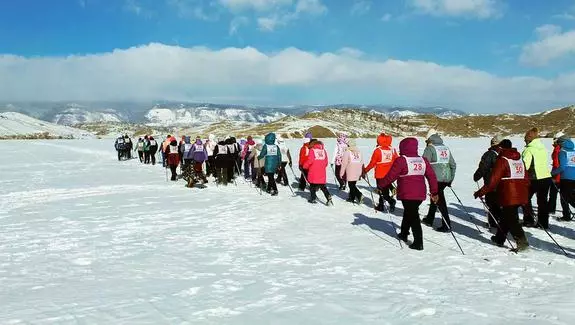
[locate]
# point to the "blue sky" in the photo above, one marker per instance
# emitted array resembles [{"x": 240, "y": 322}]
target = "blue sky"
[{"x": 475, "y": 55}]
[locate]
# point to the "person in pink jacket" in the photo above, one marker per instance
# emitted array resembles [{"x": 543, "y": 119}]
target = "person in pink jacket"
[
  {"x": 410, "y": 170},
  {"x": 352, "y": 168},
  {"x": 316, "y": 165}
]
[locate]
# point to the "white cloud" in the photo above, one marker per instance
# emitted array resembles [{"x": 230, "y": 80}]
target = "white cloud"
[
  {"x": 312, "y": 7},
  {"x": 258, "y": 5},
  {"x": 157, "y": 71},
  {"x": 269, "y": 24},
  {"x": 480, "y": 9},
  {"x": 350, "y": 52},
  {"x": 236, "y": 23},
  {"x": 552, "y": 44},
  {"x": 386, "y": 17},
  {"x": 360, "y": 7},
  {"x": 569, "y": 14}
]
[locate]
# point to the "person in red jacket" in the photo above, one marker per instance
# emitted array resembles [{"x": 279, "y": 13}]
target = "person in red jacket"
[
  {"x": 410, "y": 170},
  {"x": 303, "y": 154},
  {"x": 382, "y": 159},
  {"x": 173, "y": 157},
  {"x": 316, "y": 164},
  {"x": 552, "y": 207},
  {"x": 510, "y": 181}
]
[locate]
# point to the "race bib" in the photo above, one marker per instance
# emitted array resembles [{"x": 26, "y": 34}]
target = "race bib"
[
  {"x": 570, "y": 158},
  {"x": 415, "y": 166},
  {"x": 319, "y": 154},
  {"x": 355, "y": 157},
  {"x": 198, "y": 148},
  {"x": 272, "y": 150},
  {"x": 250, "y": 147},
  {"x": 386, "y": 156},
  {"x": 173, "y": 149},
  {"x": 120, "y": 141},
  {"x": 232, "y": 148},
  {"x": 153, "y": 143},
  {"x": 443, "y": 154},
  {"x": 517, "y": 169},
  {"x": 187, "y": 147},
  {"x": 140, "y": 145},
  {"x": 222, "y": 150}
]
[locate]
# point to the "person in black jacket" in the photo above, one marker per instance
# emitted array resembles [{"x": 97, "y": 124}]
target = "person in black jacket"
[{"x": 484, "y": 172}]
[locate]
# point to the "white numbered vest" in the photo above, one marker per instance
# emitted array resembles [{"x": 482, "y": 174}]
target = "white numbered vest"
[
  {"x": 319, "y": 154},
  {"x": 284, "y": 150},
  {"x": 140, "y": 146},
  {"x": 210, "y": 146},
  {"x": 173, "y": 149},
  {"x": 415, "y": 166},
  {"x": 443, "y": 154},
  {"x": 386, "y": 156},
  {"x": 198, "y": 148},
  {"x": 187, "y": 147},
  {"x": 271, "y": 150},
  {"x": 570, "y": 158},
  {"x": 231, "y": 148},
  {"x": 517, "y": 169},
  {"x": 251, "y": 147},
  {"x": 222, "y": 150},
  {"x": 120, "y": 140},
  {"x": 355, "y": 157},
  {"x": 153, "y": 143}
]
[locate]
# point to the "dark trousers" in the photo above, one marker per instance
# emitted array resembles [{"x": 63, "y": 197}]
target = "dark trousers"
[
  {"x": 494, "y": 209},
  {"x": 384, "y": 193},
  {"x": 354, "y": 192},
  {"x": 211, "y": 166},
  {"x": 552, "y": 206},
  {"x": 258, "y": 177},
  {"x": 539, "y": 187},
  {"x": 222, "y": 175},
  {"x": 173, "y": 169},
  {"x": 441, "y": 205},
  {"x": 340, "y": 180},
  {"x": 282, "y": 175},
  {"x": 302, "y": 180},
  {"x": 313, "y": 189},
  {"x": 411, "y": 221},
  {"x": 248, "y": 166},
  {"x": 567, "y": 196},
  {"x": 510, "y": 223},
  {"x": 272, "y": 186},
  {"x": 141, "y": 156},
  {"x": 151, "y": 156}
]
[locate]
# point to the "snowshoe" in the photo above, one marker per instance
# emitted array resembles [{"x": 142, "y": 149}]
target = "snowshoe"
[
  {"x": 312, "y": 201},
  {"x": 442, "y": 229},
  {"x": 497, "y": 241},
  {"x": 427, "y": 222},
  {"x": 402, "y": 237},
  {"x": 418, "y": 247},
  {"x": 360, "y": 199},
  {"x": 350, "y": 200},
  {"x": 329, "y": 202},
  {"x": 274, "y": 193}
]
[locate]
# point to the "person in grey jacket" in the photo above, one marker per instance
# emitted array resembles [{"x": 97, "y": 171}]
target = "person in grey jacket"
[
  {"x": 484, "y": 172},
  {"x": 443, "y": 164}
]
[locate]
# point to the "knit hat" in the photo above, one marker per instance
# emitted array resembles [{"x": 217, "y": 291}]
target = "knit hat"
[
  {"x": 532, "y": 134},
  {"x": 308, "y": 135},
  {"x": 430, "y": 133},
  {"x": 351, "y": 143},
  {"x": 495, "y": 140},
  {"x": 558, "y": 135},
  {"x": 506, "y": 144}
]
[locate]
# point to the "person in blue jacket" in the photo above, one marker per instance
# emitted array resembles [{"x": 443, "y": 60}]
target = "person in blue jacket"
[
  {"x": 566, "y": 170},
  {"x": 273, "y": 157}
]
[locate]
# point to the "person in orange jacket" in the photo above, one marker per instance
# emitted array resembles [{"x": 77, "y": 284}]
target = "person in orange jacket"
[
  {"x": 382, "y": 159},
  {"x": 303, "y": 154},
  {"x": 552, "y": 207},
  {"x": 165, "y": 144}
]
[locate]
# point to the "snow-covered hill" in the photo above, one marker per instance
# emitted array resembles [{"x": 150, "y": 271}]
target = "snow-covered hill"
[
  {"x": 206, "y": 115},
  {"x": 77, "y": 115},
  {"x": 17, "y": 125}
]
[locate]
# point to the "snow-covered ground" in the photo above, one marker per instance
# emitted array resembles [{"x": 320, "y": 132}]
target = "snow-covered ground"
[
  {"x": 17, "y": 124},
  {"x": 85, "y": 239}
]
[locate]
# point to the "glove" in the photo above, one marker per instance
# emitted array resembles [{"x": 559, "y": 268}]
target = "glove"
[
  {"x": 477, "y": 194},
  {"x": 290, "y": 164},
  {"x": 434, "y": 198},
  {"x": 331, "y": 165}
]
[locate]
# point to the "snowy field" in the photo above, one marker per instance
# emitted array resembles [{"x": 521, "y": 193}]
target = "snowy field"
[{"x": 85, "y": 239}]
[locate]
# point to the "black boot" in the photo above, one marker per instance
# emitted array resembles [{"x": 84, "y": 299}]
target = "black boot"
[{"x": 415, "y": 246}]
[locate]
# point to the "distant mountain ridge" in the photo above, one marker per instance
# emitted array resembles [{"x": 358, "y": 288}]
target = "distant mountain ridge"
[{"x": 170, "y": 113}]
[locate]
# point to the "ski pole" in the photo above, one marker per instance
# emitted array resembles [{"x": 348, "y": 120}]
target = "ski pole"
[
  {"x": 496, "y": 222},
  {"x": 563, "y": 199},
  {"x": 389, "y": 214},
  {"x": 166, "y": 173},
  {"x": 452, "y": 234},
  {"x": 465, "y": 209}
]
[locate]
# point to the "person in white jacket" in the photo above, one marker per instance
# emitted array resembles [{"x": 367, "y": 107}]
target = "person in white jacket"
[
  {"x": 210, "y": 145},
  {"x": 340, "y": 148},
  {"x": 282, "y": 177}
]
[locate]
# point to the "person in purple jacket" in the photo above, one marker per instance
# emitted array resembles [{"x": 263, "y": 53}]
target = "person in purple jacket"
[
  {"x": 410, "y": 170},
  {"x": 197, "y": 155}
]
